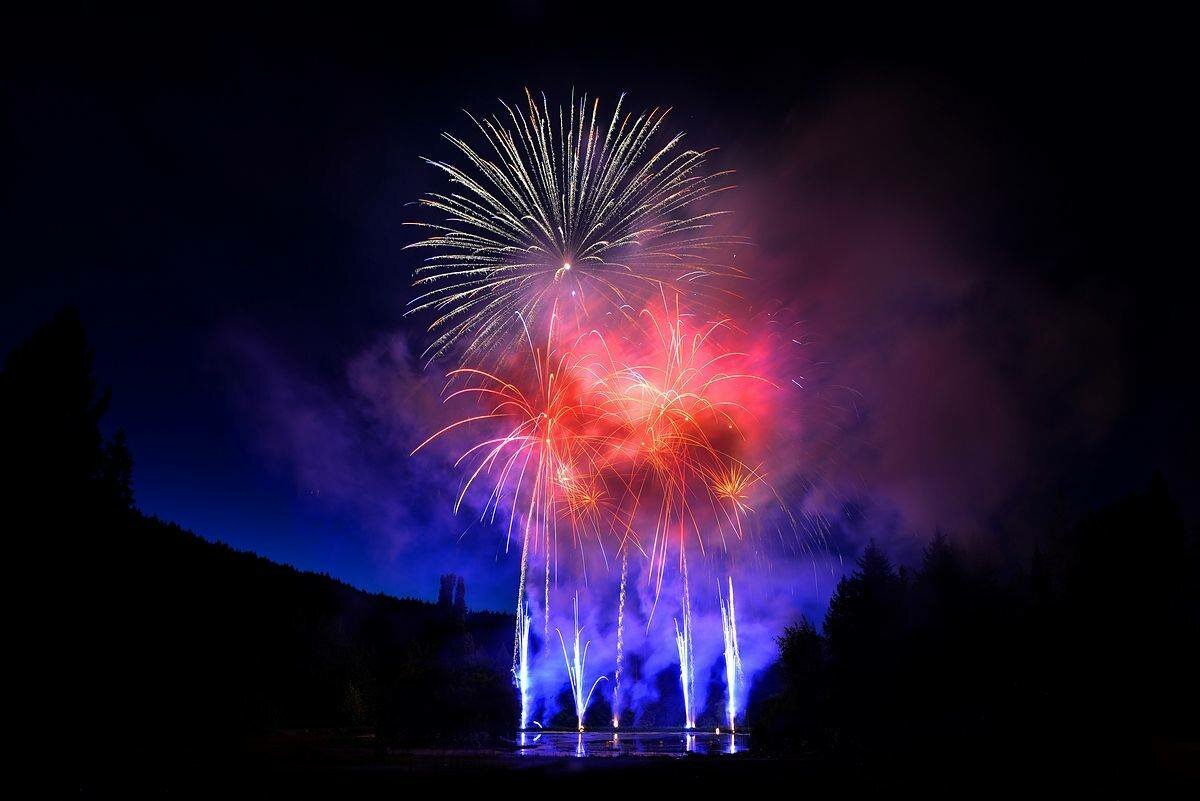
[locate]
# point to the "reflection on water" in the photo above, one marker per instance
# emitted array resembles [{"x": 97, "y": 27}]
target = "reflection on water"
[{"x": 630, "y": 743}]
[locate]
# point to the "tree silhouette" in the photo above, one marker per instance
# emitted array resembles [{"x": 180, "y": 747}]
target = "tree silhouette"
[
  {"x": 445, "y": 598},
  {"x": 1083, "y": 665},
  {"x": 866, "y": 611},
  {"x": 56, "y": 462},
  {"x": 460, "y": 598},
  {"x": 800, "y": 650}
]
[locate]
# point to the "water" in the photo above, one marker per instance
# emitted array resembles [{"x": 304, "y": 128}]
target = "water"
[{"x": 630, "y": 743}]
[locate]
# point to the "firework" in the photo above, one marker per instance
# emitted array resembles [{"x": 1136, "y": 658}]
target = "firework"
[
  {"x": 620, "y": 640},
  {"x": 687, "y": 660},
  {"x": 577, "y": 268},
  {"x": 587, "y": 441},
  {"x": 733, "y": 656},
  {"x": 576, "y": 662},
  {"x": 521, "y": 664},
  {"x": 557, "y": 206},
  {"x": 540, "y": 452},
  {"x": 675, "y": 414}
]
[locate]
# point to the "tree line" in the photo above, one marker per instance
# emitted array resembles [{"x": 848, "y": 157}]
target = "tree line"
[{"x": 1087, "y": 660}]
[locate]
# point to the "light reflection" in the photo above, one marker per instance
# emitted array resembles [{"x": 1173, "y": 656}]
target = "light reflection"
[{"x": 597, "y": 745}]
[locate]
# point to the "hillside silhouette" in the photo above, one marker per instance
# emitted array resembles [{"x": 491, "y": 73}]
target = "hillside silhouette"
[{"x": 174, "y": 645}]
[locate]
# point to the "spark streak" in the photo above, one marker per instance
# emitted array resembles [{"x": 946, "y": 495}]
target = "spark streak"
[
  {"x": 575, "y": 666},
  {"x": 620, "y": 641},
  {"x": 521, "y": 667},
  {"x": 733, "y": 656},
  {"x": 687, "y": 660}
]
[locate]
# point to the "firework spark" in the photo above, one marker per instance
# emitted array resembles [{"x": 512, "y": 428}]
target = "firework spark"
[
  {"x": 576, "y": 661},
  {"x": 676, "y": 412},
  {"x": 555, "y": 206},
  {"x": 733, "y": 656},
  {"x": 620, "y": 640},
  {"x": 521, "y": 664},
  {"x": 687, "y": 661}
]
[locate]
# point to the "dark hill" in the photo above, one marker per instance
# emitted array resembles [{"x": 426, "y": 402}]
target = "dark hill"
[
  {"x": 208, "y": 639},
  {"x": 171, "y": 647}
]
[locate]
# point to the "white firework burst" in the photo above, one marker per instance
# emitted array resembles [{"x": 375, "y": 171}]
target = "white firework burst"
[{"x": 564, "y": 207}]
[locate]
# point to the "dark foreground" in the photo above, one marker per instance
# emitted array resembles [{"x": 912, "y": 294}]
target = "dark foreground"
[
  {"x": 190, "y": 667},
  {"x": 341, "y": 764},
  {"x": 310, "y": 763}
]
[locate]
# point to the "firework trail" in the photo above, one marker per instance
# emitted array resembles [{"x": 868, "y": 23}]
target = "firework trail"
[
  {"x": 620, "y": 640},
  {"x": 687, "y": 658},
  {"x": 561, "y": 205},
  {"x": 521, "y": 664},
  {"x": 575, "y": 666},
  {"x": 733, "y": 657},
  {"x": 683, "y": 641}
]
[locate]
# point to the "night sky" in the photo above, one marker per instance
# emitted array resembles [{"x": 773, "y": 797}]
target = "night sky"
[{"x": 972, "y": 224}]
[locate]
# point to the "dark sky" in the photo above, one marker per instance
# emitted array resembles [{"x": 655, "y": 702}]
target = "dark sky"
[{"x": 189, "y": 183}]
